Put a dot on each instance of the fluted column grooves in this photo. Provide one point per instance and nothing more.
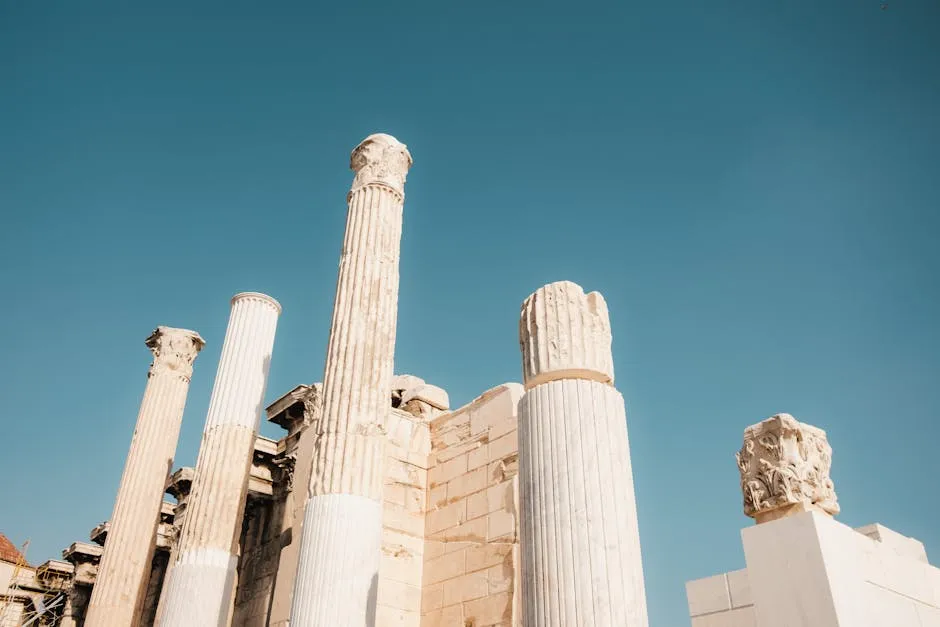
(580, 543)
(338, 574)
(199, 588)
(361, 349)
(565, 334)
(341, 542)
(124, 570)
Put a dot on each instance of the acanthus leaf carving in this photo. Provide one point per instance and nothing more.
(174, 351)
(380, 159)
(783, 463)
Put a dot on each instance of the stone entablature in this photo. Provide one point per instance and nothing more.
(784, 467)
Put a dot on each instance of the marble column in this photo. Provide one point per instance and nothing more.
(128, 552)
(179, 487)
(580, 541)
(201, 584)
(337, 574)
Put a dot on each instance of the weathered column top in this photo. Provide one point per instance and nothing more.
(785, 468)
(380, 159)
(174, 351)
(258, 296)
(565, 334)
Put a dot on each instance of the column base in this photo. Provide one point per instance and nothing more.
(199, 591)
(338, 572)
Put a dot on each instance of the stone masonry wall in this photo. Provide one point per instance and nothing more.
(471, 551)
(405, 496)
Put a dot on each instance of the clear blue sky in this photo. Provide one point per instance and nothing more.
(754, 187)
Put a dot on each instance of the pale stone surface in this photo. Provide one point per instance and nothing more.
(398, 601)
(565, 334)
(739, 617)
(179, 486)
(580, 539)
(123, 574)
(902, 545)
(201, 585)
(708, 595)
(721, 601)
(784, 466)
(470, 573)
(337, 574)
(807, 569)
(403, 382)
(430, 394)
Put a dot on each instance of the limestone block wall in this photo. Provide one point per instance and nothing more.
(403, 512)
(471, 551)
(721, 601)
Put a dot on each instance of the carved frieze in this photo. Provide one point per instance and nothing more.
(785, 463)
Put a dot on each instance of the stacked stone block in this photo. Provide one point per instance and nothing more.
(471, 557)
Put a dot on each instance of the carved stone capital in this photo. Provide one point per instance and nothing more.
(565, 334)
(784, 468)
(380, 160)
(174, 351)
(313, 404)
(286, 464)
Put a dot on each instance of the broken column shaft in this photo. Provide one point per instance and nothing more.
(125, 564)
(337, 575)
(579, 537)
(201, 582)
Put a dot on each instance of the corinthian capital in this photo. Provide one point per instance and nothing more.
(174, 351)
(380, 160)
(784, 468)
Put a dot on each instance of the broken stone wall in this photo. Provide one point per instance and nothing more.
(405, 500)
(471, 551)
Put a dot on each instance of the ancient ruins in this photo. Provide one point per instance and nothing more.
(804, 569)
(382, 506)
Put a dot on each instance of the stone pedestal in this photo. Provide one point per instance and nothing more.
(201, 583)
(579, 537)
(337, 575)
(128, 552)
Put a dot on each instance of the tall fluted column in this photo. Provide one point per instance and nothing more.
(580, 541)
(125, 564)
(337, 573)
(199, 592)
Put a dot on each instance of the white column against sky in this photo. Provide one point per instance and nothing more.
(125, 565)
(340, 550)
(580, 541)
(201, 582)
